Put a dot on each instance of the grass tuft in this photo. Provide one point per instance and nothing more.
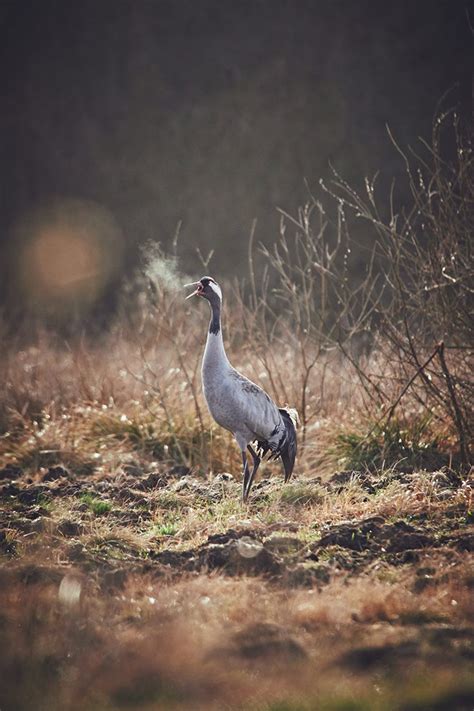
(97, 506)
(409, 444)
(301, 494)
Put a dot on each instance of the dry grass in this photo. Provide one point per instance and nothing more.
(97, 408)
(92, 618)
(122, 582)
(131, 574)
(100, 407)
(194, 644)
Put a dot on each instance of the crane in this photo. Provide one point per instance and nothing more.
(240, 406)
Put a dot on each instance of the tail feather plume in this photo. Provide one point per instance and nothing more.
(289, 448)
(287, 444)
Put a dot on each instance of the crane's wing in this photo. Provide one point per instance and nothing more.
(256, 408)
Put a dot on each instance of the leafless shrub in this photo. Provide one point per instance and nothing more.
(395, 339)
(425, 257)
(306, 303)
(410, 309)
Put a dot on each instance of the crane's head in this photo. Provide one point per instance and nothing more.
(206, 287)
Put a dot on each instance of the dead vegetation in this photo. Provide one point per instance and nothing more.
(131, 574)
(161, 591)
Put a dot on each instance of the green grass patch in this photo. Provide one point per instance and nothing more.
(167, 528)
(171, 501)
(45, 502)
(97, 506)
(410, 444)
(301, 494)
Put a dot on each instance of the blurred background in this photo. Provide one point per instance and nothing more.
(126, 121)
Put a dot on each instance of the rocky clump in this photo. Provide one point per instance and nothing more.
(376, 535)
(232, 554)
(10, 472)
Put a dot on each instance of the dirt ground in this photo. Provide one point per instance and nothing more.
(159, 589)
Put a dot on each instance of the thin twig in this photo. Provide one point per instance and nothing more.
(463, 444)
(412, 379)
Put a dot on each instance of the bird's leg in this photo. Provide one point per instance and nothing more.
(246, 475)
(256, 464)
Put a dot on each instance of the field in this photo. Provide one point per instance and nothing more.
(131, 574)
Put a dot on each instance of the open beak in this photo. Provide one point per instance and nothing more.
(197, 284)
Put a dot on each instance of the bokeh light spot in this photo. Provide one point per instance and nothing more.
(69, 252)
(64, 260)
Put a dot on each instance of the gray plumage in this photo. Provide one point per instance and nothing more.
(240, 406)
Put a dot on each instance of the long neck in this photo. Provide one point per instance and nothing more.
(214, 354)
(215, 322)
